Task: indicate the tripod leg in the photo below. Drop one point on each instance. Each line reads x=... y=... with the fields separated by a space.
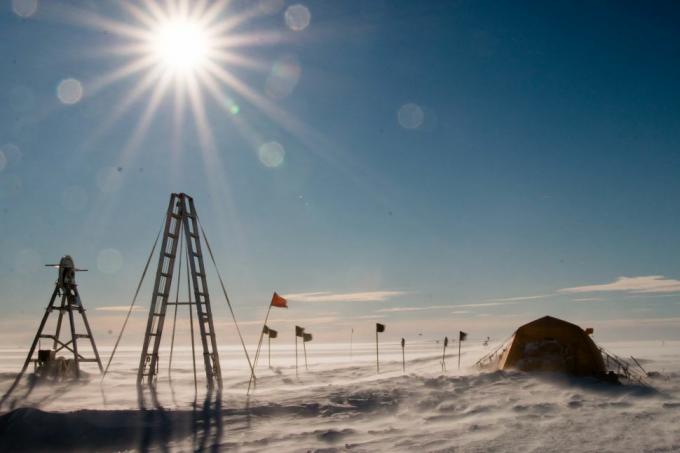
x=33 y=345
x=74 y=340
x=89 y=334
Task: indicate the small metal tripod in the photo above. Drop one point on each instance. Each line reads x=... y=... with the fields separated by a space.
x=67 y=289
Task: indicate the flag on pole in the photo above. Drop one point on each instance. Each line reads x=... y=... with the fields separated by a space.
x=461 y=338
x=306 y=337
x=299 y=331
x=278 y=301
x=265 y=330
x=446 y=341
x=273 y=333
x=378 y=329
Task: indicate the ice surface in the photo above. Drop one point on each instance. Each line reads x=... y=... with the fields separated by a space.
x=343 y=404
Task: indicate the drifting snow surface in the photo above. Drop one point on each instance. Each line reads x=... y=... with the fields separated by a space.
x=342 y=404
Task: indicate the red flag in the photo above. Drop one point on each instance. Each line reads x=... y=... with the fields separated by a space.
x=278 y=301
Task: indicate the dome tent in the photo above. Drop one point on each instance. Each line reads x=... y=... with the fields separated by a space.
x=551 y=344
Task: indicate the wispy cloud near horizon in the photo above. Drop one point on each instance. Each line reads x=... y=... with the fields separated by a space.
x=410 y=309
x=327 y=296
x=520 y=298
x=637 y=285
x=120 y=308
x=484 y=304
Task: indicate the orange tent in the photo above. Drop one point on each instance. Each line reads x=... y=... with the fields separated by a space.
x=551 y=344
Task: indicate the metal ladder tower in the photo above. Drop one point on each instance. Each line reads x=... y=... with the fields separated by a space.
x=67 y=289
x=181 y=216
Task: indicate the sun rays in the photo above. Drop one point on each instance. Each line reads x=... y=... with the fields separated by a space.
x=184 y=54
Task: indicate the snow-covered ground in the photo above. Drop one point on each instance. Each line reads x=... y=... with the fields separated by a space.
x=341 y=403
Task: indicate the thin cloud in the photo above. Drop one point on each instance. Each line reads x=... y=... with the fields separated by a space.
x=588 y=299
x=119 y=308
x=649 y=284
x=486 y=304
x=519 y=298
x=408 y=309
x=326 y=296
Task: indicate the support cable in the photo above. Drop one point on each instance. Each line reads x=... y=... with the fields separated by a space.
x=132 y=305
x=224 y=290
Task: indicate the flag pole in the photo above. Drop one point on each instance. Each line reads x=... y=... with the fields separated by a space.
x=403 y=356
x=350 y=344
x=444 y=359
x=304 y=347
x=459 y=343
x=253 y=378
x=377 y=357
x=296 y=358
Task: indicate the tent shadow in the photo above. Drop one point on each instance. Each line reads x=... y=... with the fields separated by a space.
x=597 y=385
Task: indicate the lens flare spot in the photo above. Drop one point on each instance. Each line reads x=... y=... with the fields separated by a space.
x=109 y=261
x=12 y=154
x=24 y=8
x=271 y=154
x=297 y=17
x=283 y=78
x=410 y=116
x=232 y=107
x=69 y=91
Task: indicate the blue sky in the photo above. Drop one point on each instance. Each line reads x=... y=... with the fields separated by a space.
x=448 y=165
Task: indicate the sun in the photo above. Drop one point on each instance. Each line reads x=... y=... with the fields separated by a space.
x=181 y=45
x=195 y=61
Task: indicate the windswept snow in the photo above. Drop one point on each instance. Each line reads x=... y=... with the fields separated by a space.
x=339 y=405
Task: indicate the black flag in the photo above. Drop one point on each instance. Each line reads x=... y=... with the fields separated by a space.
x=306 y=337
x=403 y=342
x=299 y=331
x=273 y=333
x=446 y=341
x=379 y=327
x=265 y=329
x=462 y=336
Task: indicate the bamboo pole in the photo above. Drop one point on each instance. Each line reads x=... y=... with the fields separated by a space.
x=350 y=344
x=377 y=355
x=253 y=378
x=403 y=356
x=304 y=347
x=444 y=358
x=459 y=344
x=296 y=354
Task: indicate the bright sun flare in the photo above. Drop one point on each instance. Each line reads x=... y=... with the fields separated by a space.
x=190 y=53
x=181 y=45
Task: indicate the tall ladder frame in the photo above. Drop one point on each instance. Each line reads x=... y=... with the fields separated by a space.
x=181 y=217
